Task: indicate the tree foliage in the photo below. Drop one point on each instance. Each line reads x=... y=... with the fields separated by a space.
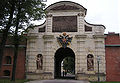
x=30 y=10
x=69 y=64
x=16 y=15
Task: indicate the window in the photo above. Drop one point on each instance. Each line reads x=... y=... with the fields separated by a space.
x=88 y=28
x=8 y=60
x=6 y=73
x=41 y=29
x=90 y=62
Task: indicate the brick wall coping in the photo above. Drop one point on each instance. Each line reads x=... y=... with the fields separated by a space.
x=112 y=45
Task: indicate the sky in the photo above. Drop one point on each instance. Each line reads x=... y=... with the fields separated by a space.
x=105 y=12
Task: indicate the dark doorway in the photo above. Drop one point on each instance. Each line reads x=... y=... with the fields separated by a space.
x=61 y=54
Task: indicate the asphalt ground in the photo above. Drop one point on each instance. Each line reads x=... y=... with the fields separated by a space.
x=58 y=81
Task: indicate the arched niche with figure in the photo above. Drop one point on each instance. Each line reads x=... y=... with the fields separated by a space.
x=39 y=61
x=90 y=62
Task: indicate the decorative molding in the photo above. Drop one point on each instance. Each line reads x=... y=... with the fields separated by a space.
x=99 y=36
x=34 y=73
x=81 y=14
x=79 y=41
x=49 y=15
x=65 y=7
x=94 y=74
x=80 y=36
x=48 y=36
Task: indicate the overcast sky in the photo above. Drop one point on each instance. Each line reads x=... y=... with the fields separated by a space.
x=106 y=12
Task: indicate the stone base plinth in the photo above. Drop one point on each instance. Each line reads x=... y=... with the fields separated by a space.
x=40 y=76
x=90 y=77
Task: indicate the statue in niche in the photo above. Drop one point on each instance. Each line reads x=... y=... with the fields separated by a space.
x=90 y=62
x=39 y=61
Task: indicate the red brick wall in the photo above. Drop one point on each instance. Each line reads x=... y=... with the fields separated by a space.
x=20 y=68
x=7 y=52
x=112 y=57
x=113 y=63
x=112 y=39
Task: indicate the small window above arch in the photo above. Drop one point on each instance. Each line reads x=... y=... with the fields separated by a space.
x=87 y=28
x=41 y=29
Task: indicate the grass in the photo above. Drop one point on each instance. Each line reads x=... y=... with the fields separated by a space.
x=16 y=81
x=104 y=82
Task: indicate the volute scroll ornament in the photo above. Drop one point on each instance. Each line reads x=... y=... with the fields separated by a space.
x=81 y=14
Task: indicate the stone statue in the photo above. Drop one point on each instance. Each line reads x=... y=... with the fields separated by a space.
x=39 y=61
x=90 y=63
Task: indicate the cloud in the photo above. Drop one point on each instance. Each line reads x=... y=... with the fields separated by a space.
x=106 y=12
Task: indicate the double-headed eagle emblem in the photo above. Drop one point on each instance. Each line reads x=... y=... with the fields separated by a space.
x=64 y=40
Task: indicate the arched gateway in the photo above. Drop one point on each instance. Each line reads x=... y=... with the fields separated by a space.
x=60 y=54
x=65 y=33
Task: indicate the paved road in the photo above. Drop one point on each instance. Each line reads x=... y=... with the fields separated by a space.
x=58 y=81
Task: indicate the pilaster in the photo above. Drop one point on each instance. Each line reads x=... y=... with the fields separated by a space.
x=48 y=53
x=48 y=23
x=80 y=23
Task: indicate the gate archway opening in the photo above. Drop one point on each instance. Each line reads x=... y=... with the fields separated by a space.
x=61 y=55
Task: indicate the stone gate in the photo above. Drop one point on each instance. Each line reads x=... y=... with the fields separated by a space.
x=65 y=33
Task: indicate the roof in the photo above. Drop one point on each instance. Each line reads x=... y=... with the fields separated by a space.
x=95 y=24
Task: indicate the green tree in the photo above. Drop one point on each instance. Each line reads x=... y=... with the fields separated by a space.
x=6 y=15
x=23 y=13
x=69 y=64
